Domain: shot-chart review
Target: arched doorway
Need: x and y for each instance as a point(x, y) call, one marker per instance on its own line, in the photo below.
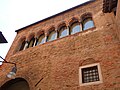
point(16, 84)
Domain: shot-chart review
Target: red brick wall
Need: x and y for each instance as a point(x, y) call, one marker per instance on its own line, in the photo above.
point(118, 17)
point(57, 63)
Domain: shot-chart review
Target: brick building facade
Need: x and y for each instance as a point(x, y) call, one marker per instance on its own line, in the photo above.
point(78, 49)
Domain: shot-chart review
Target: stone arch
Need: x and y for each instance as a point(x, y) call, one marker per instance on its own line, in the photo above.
point(31, 40)
point(87, 61)
point(73, 20)
point(61, 25)
point(51, 34)
point(87, 21)
point(86, 15)
point(16, 84)
point(21, 39)
point(31, 35)
point(51, 28)
point(19, 43)
point(38, 33)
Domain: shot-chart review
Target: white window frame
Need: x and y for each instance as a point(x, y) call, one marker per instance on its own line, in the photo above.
point(90, 83)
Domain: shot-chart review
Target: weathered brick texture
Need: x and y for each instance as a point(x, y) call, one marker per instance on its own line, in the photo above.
point(55, 65)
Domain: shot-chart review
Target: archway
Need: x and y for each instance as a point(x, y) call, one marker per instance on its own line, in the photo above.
point(16, 84)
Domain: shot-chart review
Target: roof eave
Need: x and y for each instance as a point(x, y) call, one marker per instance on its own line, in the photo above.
point(56, 15)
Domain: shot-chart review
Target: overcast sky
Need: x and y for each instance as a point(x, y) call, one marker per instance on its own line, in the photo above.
point(15, 14)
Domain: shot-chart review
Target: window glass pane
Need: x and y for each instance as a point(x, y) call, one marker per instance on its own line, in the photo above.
point(88, 23)
point(75, 28)
point(90, 74)
point(63, 32)
point(22, 46)
point(26, 45)
point(31, 43)
point(41, 39)
point(52, 36)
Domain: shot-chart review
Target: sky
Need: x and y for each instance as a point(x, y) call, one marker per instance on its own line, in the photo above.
point(15, 14)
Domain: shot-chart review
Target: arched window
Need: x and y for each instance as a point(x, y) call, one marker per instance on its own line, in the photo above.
point(63, 32)
point(74, 28)
point(41, 39)
point(22, 45)
point(87, 23)
point(31, 43)
point(52, 36)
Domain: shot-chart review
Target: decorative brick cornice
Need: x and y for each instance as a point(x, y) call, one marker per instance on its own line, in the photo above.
point(108, 5)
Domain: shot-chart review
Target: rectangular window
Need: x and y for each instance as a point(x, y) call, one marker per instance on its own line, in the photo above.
point(90, 74)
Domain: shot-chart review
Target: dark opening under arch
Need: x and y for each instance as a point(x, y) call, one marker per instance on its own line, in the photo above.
point(16, 84)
